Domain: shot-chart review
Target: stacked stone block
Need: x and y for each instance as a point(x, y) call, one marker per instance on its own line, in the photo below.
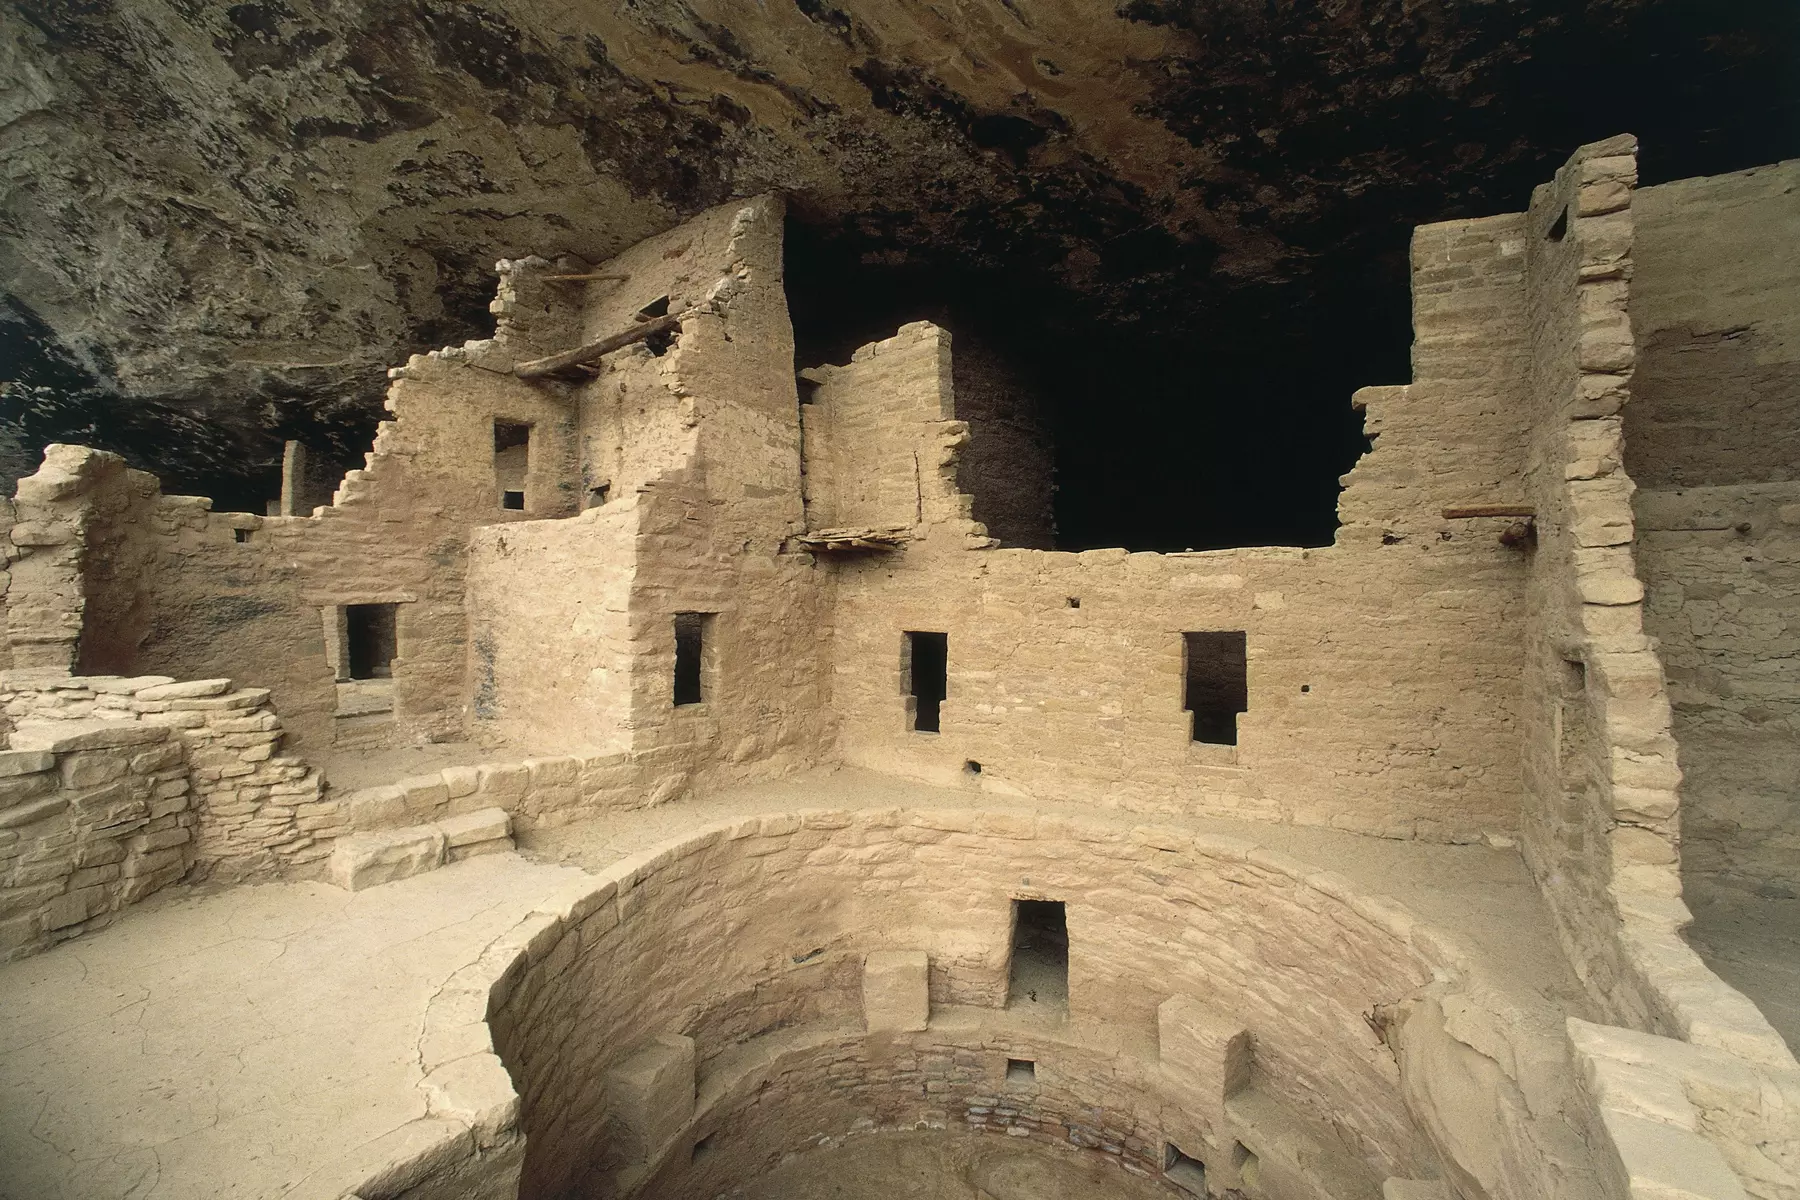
point(254, 810)
point(94, 816)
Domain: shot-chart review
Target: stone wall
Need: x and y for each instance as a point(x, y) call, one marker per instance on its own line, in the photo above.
point(1722, 566)
point(786, 907)
point(874, 431)
point(114, 576)
point(1716, 397)
point(1382, 670)
point(1714, 428)
point(253, 810)
point(1602, 814)
point(1009, 465)
point(699, 449)
point(94, 815)
point(550, 663)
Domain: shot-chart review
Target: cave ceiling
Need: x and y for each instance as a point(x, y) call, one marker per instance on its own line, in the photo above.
point(220, 223)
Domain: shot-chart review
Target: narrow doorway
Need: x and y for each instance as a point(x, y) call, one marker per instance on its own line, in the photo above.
point(1038, 976)
point(370, 640)
point(512, 462)
point(690, 656)
point(927, 677)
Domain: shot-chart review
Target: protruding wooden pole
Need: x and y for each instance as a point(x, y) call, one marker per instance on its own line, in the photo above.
point(538, 367)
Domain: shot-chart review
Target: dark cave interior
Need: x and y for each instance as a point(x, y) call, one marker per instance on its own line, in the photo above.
point(1188, 406)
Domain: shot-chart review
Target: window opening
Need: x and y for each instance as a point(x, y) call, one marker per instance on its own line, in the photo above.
point(1074, 601)
point(1021, 1071)
point(702, 1148)
point(972, 767)
point(598, 493)
point(658, 307)
point(1038, 977)
point(1184, 1171)
point(240, 535)
point(1217, 685)
point(1560, 228)
point(927, 677)
point(369, 638)
point(690, 649)
point(512, 462)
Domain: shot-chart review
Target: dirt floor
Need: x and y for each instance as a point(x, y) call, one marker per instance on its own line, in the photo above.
point(1752, 943)
point(933, 1166)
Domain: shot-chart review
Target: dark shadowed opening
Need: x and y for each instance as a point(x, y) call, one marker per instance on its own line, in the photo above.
point(927, 677)
point(370, 640)
point(1216, 684)
point(1038, 975)
point(690, 648)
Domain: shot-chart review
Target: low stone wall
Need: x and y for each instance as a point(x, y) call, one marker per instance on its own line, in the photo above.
point(94, 816)
point(788, 905)
point(255, 811)
point(536, 792)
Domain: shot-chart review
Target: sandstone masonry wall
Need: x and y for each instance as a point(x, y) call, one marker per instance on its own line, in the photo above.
point(1716, 396)
point(875, 432)
point(787, 906)
point(1602, 818)
point(94, 816)
point(254, 811)
point(1722, 566)
point(1714, 427)
point(1382, 671)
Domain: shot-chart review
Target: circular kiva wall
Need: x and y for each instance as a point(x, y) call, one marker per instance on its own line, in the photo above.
point(703, 1015)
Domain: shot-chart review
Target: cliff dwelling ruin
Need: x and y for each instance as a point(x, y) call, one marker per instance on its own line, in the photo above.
point(778, 714)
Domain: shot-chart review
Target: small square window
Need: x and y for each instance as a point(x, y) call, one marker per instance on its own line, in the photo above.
point(1021, 1071)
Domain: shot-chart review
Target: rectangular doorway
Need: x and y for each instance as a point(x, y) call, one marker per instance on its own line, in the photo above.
point(927, 678)
point(690, 656)
point(370, 640)
point(512, 462)
point(1037, 978)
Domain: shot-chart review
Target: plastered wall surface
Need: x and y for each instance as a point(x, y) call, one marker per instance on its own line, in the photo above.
point(1712, 434)
point(1716, 396)
point(1722, 565)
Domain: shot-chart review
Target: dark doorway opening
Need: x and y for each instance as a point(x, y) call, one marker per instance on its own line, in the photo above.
point(690, 652)
point(370, 640)
point(512, 462)
point(1038, 977)
point(1217, 686)
point(927, 677)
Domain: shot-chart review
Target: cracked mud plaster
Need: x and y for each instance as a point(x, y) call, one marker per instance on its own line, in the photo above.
point(273, 1033)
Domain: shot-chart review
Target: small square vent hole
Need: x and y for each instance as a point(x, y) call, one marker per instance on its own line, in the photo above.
point(1021, 1071)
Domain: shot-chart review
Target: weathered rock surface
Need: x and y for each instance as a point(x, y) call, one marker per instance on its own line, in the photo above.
point(235, 215)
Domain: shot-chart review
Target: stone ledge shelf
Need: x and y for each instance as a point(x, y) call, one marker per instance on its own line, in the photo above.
point(365, 860)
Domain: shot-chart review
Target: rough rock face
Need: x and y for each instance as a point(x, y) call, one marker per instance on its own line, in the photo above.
point(223, 220)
